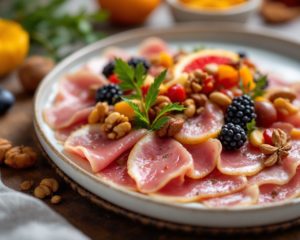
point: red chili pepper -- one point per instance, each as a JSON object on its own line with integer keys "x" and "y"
{"x": 176, "y": 93}
{"x": 268, "y": 135}
{"x": 114, "y": 79}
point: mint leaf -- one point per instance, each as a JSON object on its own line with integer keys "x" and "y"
{"x": 154, "y": 90}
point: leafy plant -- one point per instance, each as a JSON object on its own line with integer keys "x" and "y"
{"x": 50, "y": 27}
{"x": 132, "y": 79}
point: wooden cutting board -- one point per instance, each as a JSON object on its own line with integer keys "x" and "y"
{"x": 95, "y": 222}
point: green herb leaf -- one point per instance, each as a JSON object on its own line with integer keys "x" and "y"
{"x": 140, "y": 74}
{"x": 141, "y": 120}
{"x": 126, "y": 74}
{"x": 154, "y": 90}
{"x": 261, "y": 83}
{"x": 159, "y": 123}
{"x": 251, "y": 126}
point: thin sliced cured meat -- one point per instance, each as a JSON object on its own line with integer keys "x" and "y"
{"x": 115, "y": 52}
{"x": 154, "y": 161}
{"x": 91, "y": 143}
{"x": 117, "y": 173}
{"x": 246, "y": 197}
{"x": 284, "y": 126}
{"x": 153, "y": 46}
{"x": 274, "y": 193}
{"x": 214, "y": 185}
{"x": 72, "y": 100}
{"x": 202, "y": 127}
{"x": 247, "y": 160}
{"x": 280, "y": 173}
{"x": 205, "y": 156}
{"x": 292, "y": 119}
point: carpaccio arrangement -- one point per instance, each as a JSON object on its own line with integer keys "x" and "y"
{"x": 204, "y": 126}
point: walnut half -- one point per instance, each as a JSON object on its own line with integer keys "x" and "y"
{"x": 171, "y": 127}
{"x": 116, "y": 125}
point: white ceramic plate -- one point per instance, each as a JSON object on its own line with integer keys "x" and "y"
{"x": 281, "y": 56}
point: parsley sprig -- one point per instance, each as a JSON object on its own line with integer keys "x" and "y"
{"x": 132, "y": 79}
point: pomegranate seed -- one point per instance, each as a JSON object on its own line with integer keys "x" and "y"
{"x": 268, "y": 135}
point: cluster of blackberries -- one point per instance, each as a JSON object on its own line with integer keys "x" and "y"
{"x": 241, "y": 111}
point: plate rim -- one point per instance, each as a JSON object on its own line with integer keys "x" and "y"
{"x": 146, "y": 32}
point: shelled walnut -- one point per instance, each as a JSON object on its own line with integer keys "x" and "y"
{"x": 5, "y": 145}
{"x": 171, "y": 127}
{"x": 99, "y": 113}
{"x": 116, "y": 125}
{"x": 20, "y": 157}
{"x": 160, "y": 102}
{"x": 194, "y": 82}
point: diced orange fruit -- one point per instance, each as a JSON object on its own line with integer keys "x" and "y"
{"x": 165, "y": 59}
{"x": 247, "y": 78}
{"x": 295, "y": 133}
{"x": 227, "y": 76}
{"x": 125, "y": 109}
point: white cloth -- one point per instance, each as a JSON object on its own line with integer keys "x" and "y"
{"x": 24, "y": 217}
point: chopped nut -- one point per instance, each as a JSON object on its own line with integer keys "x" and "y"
{"x": 200, "y": 101}
{"x": 51, "y": 183}
{"x": 42, "y": 191}
{"x": 56, "y": 199}
{"x": 99, "y": 113}
{"x": 20, "y": 157}
{"x": 5, "y": 145}
{"x": 116, "y": 125}
{"x": 285, "y": 107}
{"x": 220, "y": 99}
{"x": 26, "y": 185}
{"x": 190, "y": 106}
{"x": 161, "y": 101}
{"x": 194, "y": 82}
{"x": 171, "y": 127}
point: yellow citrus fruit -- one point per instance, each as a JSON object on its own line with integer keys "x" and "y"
{"x": 14, "y": 44}
{"x": 128, "y": 12}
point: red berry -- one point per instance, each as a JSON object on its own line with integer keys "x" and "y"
{"x": 114, "y": 79}
{"x": 268, "y": 135}
{"x": 145, "y": 89}
{"x": 208, "y": 85}
{"x": 176, "y": 93}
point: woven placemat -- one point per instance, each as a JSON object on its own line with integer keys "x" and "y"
{"x": 166, "y": 224}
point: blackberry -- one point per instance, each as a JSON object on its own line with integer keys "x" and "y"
{"x": 108, "y": 69}
{"x": 110, "y": 93}
{"x": 242, "y": 54}
{"x": 135, "y": 61}
{"x": 232, "y": 136}
{"x": 241, "y": 111}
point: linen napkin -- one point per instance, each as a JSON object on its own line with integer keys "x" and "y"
{"x": 24, "y": 217}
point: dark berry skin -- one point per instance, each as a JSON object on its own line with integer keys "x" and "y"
{"x": 7, "y": 99}
{"x": 109, "y": 93}
{"x": 242, "y": 54}
{"x": 241, "y": 111}
{"x": 135, "y": 61}
{"x": 232, "y": 136}
{"x": 108, "y": 69}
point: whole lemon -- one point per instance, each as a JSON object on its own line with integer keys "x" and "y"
{"x": 14, "y": 44}
{"x": 128, "y": 12}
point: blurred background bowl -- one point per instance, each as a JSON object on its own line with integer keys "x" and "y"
{"x": 238, "y": 13}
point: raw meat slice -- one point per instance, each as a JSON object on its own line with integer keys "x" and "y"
{"x": 91, "y": 143}
{"x": 200, "y": 128}
{"x": 280, "y": 173}
{"x": 154, "y": 161}
{"x": 205, "y": 156}
{"x": 274, "y": 193}
{"x": 152, "y": 46}
{"x": 247, "y": 160}
{"x": 214, "y": 185}
{"x": 117, "y": 173}
{"x": 246, "y": 197}
{"x": 72, "y": 100}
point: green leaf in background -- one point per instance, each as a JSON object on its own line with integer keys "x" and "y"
{"x": 50, "y": 27}
{"x": 159, "y": 123}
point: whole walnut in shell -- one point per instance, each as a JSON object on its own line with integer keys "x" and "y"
{"x": 33, "y": 70}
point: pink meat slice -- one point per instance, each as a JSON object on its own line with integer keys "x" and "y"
{"x": 153, "y": 46}
{"x": 205, "y": 156}
{"x": 90, "y": 143}
{"x": 117, "y": 173}
{"x": 247, "y": 160}
{"x": 287, "y": 127}
{"x": 245, "y": 197}
{"x": 214, "y": 185}
{"x": 292, "y": 119}
{"x": 154, "y": 161}
{"x": 274, "y": 193}
{"x": 72, "y": 100}
{"x": 280, "y": 173}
